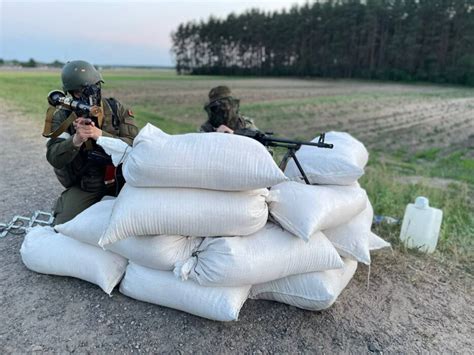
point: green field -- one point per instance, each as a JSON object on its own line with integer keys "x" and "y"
{"x": 420, "y": 136}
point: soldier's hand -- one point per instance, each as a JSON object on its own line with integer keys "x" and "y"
{"x": 85, "y": 129}
{"x": 224, "y": 129}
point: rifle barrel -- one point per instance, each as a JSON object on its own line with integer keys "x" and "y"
{"x": 270, "y": 140}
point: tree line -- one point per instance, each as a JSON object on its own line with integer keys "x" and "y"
{"x": 409, "y": 40}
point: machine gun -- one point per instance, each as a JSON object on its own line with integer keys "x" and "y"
{"x": 267, "y": 139}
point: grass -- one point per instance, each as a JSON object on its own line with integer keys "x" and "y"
{"x": 390, "y": 194}
{"x": 387, "y": 180}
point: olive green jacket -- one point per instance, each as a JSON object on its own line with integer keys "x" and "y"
{"x": 61, "y": 151}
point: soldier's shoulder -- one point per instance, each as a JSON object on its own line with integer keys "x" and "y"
{"x": 122, "y": 110}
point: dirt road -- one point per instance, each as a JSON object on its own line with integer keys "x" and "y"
{"x": 412, "y": 305}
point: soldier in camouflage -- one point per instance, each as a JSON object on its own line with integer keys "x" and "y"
{"x": 80, "y": 164}
{"x": 223, "y": 113}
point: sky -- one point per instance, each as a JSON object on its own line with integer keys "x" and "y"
{"x": 120, "y": 32}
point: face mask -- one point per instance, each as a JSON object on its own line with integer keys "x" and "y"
{"x": 223, "y": 112}
{"x": 91, "y": 94}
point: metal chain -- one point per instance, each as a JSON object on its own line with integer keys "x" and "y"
{"x": 20, "y": 224}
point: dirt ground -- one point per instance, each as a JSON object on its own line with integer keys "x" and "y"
{"x": 412, "y": 304}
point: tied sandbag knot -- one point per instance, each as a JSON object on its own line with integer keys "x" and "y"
{"x": 182, "y": 269}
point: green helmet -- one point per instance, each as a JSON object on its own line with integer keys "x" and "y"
{"x": 77, "y": 74}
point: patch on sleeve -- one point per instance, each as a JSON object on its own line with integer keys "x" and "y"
{"x": 130, "y": 113}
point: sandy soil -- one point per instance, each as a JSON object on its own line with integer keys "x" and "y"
{"x": 412, "y": 304}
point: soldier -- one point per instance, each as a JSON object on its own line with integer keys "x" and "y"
{"x": 80, "y": 164}
{"x": 223, "y": 113}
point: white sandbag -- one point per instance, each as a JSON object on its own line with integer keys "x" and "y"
{"x": 181, "y": 211}
{"x": 269, "y": 254}
{"x": 116, "y": 148}
{"x": 214, "y": 161}
{"x": 45, "y": 251}
{"x": 162, "y": 288}
{"x": 305, "y": 209}
{"x": 342, "y": 165}
{"x": 375, "y": 242}
{"x": 157, "y": 252}
{"x": 313, "y": 291}
{"x": 351, "y": 239}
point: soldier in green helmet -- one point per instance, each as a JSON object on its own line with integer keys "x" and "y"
{"x": 80, "y": 164}
{"x": 223, "y": 113}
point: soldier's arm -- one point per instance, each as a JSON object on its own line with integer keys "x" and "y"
{"x": 128, "y": 129}
{"x": 60, "y": 151}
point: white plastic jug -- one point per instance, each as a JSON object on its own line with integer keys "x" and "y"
{"x": 421, "y": 225}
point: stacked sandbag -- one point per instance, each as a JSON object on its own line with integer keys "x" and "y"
{"x": 158, "y": 252}
{"x": 197, "y": 185}
{"x": 192, "y": 220}
{"x": 47, "y": 252}
{"x": 334, "y": 205}
{"x": 181, "y": 188}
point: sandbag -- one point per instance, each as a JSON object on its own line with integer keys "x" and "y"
{"x": 181, "y": 211}
{"x": 268, "y": 254}
{"x": 214, "y": 161}
{"x": 305, "y": 209}
{"x": 156, "y": 252}
{"x": 162, "y": 288}
{"x": 47, "y": 252}
{"x": 351, "y": 239}
{"x": 375, "y": 242}
{"x": 342, "y": 165}
{"x": 313, "y": 291}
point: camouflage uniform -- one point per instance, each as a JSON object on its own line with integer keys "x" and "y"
{"x": 244, "y": 123}
{"x": 234, "y": 121}
{"x": 84, "y": 179}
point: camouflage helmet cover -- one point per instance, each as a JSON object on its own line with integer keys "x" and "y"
{"x": 219, "y": 92}
{"x": 77, "y": 74}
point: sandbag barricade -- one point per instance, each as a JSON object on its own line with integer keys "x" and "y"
{"x": 193, "y": 222}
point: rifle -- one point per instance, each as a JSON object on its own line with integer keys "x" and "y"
{"x": 293, "y": 146}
